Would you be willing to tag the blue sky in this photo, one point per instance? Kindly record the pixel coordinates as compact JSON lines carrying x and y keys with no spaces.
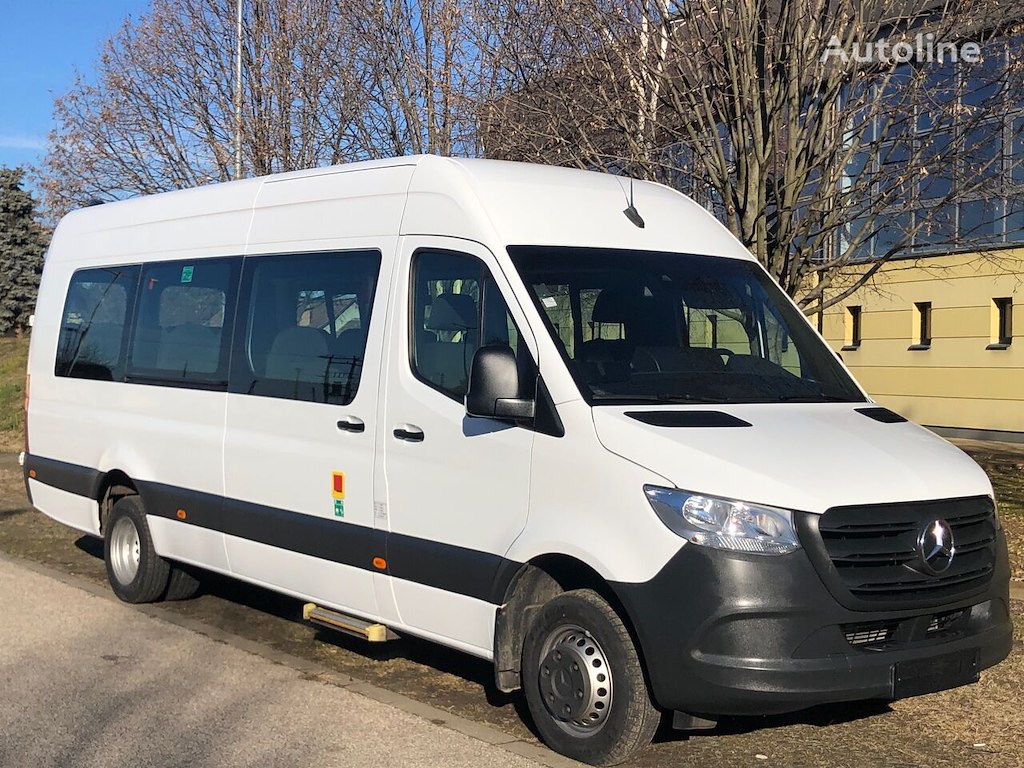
{"x":42,"y":43}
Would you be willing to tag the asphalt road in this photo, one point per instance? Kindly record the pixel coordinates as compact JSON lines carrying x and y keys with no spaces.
{"x":86,"y":681}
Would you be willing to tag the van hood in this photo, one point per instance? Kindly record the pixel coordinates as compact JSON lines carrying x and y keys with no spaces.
{"x":801,"y":456}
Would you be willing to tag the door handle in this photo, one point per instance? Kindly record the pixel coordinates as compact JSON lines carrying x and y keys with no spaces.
{"x":409,"y":432}
{"x":351,"y":424}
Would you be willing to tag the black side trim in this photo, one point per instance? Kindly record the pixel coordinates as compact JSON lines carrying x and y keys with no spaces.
{"x":445,"y":566}
{"x":688,"y":419}
{"x":81,"y":481}
{"x":883,"y":415}
{"x":319,"y":537}
{"x":481,"y":575}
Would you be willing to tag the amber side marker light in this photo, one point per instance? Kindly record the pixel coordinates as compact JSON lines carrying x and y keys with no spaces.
{"x":380,"y":562}
{"x":32,"y":473}
{"x":181,"y":514}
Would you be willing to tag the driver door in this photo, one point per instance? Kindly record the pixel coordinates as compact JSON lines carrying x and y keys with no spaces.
{"x":457,"y":487}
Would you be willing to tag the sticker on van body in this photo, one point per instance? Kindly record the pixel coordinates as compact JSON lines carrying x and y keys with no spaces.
{"x":186,"y":274}
{"x":338,"y":492}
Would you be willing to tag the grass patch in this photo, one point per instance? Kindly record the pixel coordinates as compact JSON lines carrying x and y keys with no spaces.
{"x":13,"y":361}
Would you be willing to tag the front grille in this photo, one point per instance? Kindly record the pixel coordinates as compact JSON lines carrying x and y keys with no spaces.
{"x":871,"y":552}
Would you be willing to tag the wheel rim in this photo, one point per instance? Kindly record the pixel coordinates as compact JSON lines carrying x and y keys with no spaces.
{"x":125,"y":550}
{"x":575,"y":680}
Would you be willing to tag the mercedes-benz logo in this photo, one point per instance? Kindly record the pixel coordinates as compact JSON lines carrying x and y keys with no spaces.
{"x":936,"y":547}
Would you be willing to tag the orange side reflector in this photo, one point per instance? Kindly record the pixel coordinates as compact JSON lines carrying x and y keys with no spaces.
{"x":181,"y":514}
{"x":32,"y":473}
{"x":380,"y":562}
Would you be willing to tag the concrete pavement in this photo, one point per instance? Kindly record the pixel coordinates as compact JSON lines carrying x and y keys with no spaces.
{"x":86,"y":681}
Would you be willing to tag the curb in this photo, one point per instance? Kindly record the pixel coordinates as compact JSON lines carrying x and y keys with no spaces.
{"x":319,"y":673}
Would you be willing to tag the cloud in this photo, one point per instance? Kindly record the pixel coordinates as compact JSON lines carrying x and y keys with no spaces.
{"x":9,"y":141}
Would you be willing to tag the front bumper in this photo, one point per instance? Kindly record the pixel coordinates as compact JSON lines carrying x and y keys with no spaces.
{"x":734,"y":634}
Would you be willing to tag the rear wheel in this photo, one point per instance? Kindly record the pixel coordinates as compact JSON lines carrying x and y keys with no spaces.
{"x":182,"y":584}
{"x":584,"y":682}
{"x":137,"y":574}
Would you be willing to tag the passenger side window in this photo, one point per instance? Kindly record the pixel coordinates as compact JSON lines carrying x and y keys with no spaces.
{"x":184,"y":308}
{"x":779,"y":350}
{"x":91,"y":344}
{"x":457,"y":308}
{"x":305,"y":334}
{"x":719,"y":328}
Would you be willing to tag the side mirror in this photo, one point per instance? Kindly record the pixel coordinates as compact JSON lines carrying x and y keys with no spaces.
{"x":494,"y":386}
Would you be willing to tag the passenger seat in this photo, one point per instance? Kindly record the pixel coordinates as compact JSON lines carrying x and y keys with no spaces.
{"x":299,"y":354}
{"x":189,"y":348}
{"x":447,"y":363}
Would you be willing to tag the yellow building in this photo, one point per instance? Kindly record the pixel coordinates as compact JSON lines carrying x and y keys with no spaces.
{"x":940,"y":340}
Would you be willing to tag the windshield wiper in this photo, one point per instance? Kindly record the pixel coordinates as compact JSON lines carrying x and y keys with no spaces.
{"x":627,"y":399}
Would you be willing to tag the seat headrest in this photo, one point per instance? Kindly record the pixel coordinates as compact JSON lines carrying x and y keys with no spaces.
{"x":615,"y":305}
{"x":452,"y":312}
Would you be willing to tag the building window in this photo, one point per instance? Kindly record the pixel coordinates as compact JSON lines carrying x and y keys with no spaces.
{"x":852,"y":340}
{"x":973,"y":202}
{"x":1002,"y":323}
{"x":922,"y":325}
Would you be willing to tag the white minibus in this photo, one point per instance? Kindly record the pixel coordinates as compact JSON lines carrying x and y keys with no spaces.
{"x":556,"y":419}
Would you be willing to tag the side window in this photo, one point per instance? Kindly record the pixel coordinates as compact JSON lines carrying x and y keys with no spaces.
{"x":184,"y":308}
{"x":779,"y":349}
{"x":305,"y":333}
{"x":719,"y":328}
{"x":557,"y":305}
{"x":92,"y":332}
{"x":457,"y":308}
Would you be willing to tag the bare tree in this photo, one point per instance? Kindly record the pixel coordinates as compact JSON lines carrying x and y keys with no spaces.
{"x":324,"y":82}
{"x":159,"y":115}
{"x":425,"y":71}
{"x":802,"y":124}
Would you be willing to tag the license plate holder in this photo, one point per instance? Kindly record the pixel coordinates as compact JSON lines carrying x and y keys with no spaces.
{"x":936,"y":673}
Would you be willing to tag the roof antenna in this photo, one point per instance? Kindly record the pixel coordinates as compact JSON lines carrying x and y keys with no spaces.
{"x":631,"y":212}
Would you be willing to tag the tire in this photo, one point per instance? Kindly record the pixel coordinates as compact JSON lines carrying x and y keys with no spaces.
{"x":182,"y":584}
{"x":137,"y":574}
{"x":584,"y":681}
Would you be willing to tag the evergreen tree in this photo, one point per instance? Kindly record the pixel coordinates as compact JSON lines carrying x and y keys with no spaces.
{"x":22,"y":245}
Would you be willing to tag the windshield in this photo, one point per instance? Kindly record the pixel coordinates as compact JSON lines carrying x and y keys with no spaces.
{"x":640,"y":326}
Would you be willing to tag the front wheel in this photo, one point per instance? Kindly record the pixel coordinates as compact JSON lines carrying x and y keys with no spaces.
{"x":584,"y":682}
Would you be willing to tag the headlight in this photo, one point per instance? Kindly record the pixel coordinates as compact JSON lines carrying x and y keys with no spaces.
{"x":724,"y":524}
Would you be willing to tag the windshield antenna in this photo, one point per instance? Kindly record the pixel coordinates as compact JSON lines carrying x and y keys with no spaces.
{"x":631,"y":212}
